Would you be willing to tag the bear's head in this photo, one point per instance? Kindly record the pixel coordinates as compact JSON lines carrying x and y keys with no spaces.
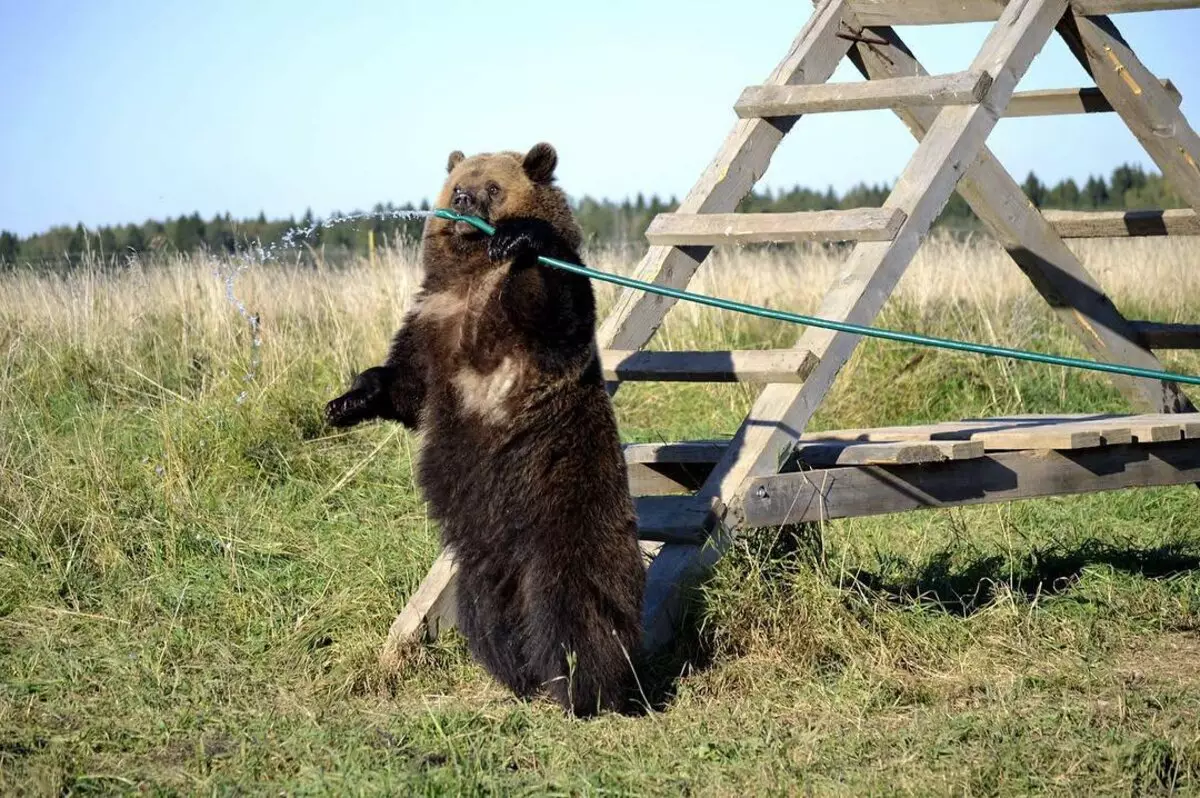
{"x":503,"y":185}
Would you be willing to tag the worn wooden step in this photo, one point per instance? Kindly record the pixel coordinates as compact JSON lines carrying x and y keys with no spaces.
{"x":672,"y":519}
{"x":826,"y":454}
{"x":999,"y":434}
{"x":958,"y":88}
{"x":1062,"y":102}
{"x":1164,"y":335}
{"x":1123,"y":224}
{"x":940,"y":12}
{"x":748,"y":365}
{"x":1003,"y":476}
{"x":714,"y":229}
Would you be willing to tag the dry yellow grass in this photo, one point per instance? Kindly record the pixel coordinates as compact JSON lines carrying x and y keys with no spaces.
{"x":362,"y":304}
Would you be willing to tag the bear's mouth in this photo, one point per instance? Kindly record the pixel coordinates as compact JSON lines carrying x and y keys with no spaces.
{"x":468,"y":230}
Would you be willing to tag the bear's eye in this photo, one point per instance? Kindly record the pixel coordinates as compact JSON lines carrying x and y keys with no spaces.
{"x":493,"y":189}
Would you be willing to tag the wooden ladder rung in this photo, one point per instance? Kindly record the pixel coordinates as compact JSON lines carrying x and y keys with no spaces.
{"x":938,"y":12}
{"x":1062,"y":102}
{"x":680,"y":452}
{"x":755,"y":366}
{"x":1123,"y":224}
{"x":1163,"y":335}
{"x":672,"y":519}
{"x":713,"y":229}
{"x":957,"y":88}
{"x":826,"y":454}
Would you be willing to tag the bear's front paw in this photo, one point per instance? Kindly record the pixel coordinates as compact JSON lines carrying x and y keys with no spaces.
{"x":515,"y":239}
{"x":346,"y":410}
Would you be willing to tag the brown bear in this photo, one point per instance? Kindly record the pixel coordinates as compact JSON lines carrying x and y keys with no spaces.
{"x":496,"y":365}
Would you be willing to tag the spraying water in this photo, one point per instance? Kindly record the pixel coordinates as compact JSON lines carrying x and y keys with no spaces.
{"x":258,"y":254}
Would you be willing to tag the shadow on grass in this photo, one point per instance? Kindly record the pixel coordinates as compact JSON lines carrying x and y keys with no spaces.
{"x":965,"y":590}
{"x":959,"y":590}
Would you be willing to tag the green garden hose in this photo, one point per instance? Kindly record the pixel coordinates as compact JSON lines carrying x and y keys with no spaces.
{"x":840,"y":326}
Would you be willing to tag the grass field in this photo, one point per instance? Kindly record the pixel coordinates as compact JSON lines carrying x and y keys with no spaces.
{"x":193,"y":589}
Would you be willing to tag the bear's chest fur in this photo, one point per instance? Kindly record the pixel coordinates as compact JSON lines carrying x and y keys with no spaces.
{"x":476,"y":361}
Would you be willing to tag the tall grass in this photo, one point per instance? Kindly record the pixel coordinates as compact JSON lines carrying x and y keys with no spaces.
{"x":193,"y":588}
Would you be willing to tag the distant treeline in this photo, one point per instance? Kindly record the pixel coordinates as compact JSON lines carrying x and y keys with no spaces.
{"x":603,"y":221}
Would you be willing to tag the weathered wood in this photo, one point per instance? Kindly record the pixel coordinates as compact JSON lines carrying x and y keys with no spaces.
{"x":666,"y":479}
{"x":869,"y":276}
{"x":1055,"y":271}
{"x":824,"y":454}
{"x":749,"y":365}
{"x":957,"y":88}
{"x":428,"y":612}
{"x":1063,"y":102}
{"x":1163,"y":335}
{"x":1124,"y":224}
{"x":714,"y":229}
{"x":676,"y":452}
{"x":740,"y":162}
{"x":997,"y":435}
{"x":672,"y":519}
{"x":1005,"y":476}
{"x":938,"y":12}
{"x":1148,"y":111}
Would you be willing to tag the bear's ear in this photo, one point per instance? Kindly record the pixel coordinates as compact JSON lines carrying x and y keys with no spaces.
{"x":456,"y":158}
{"x":540,"y":162}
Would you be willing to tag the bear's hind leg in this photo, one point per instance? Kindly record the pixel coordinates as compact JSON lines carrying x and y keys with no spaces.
{"x":487,"y":618}
{"x":579,"y":645}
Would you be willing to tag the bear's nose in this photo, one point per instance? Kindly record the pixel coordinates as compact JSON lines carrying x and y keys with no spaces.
{"x":463,"y":201}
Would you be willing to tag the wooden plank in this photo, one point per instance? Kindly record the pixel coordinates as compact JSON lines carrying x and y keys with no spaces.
{"x":1163,"y":335}
{"x":1055,"y":271}
{"x":428,"y":612}
{"x":824,"y":454}
{"x":998,"y":434}
{"x":957,"y":88}
{"x":939,"y":12}
{"x":1124,"y":224}
{"x":1063,"y":102}
{"x":672,"y":519}
{"x":675,"y":452}
{"x":715,"y":229}
{"x":666,"y":479}
{"x":867,"y":279}
{"x":1006,"y":476}
{"x":1148,"y":111}
{"x":1143,"y":428}
{"x":764,"y":365}
{"x":740,"y":162}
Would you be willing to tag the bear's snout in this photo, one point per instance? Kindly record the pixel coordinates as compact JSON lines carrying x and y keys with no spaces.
{"x":470,"y":203}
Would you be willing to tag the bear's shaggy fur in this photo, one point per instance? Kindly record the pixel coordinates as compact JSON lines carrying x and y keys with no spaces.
{"x":496,"y":364}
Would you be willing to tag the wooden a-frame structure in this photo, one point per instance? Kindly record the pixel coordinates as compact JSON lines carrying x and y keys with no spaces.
{"x":694,"y":496}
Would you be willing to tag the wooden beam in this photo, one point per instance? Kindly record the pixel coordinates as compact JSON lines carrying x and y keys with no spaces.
{"x":938,"y":12}
{"x":958,"y":88}
{"x":1123,"y":224}
{"x":740,"y":162}
{"x":672,"y":519}
{"x":1064,"y":102}
{"x":867,"y":279}
{"x":998,"y":434}
{"x":760,"y":366}
{"x":676,"y":452}
{"x":428,"y":612}
{"x":714,"y":229}
{"x":1055,"y":271}
{"x":1008,"y":476}
{"x":1161,"y":335}
{"x":824,"y":454}
{"x":1148,"y":111}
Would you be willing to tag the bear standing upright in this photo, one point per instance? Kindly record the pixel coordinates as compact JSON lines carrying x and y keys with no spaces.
{"x":496,"y":364}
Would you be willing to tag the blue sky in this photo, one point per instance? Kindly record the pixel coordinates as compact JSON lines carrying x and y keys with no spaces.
{"x":116,"y":111}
